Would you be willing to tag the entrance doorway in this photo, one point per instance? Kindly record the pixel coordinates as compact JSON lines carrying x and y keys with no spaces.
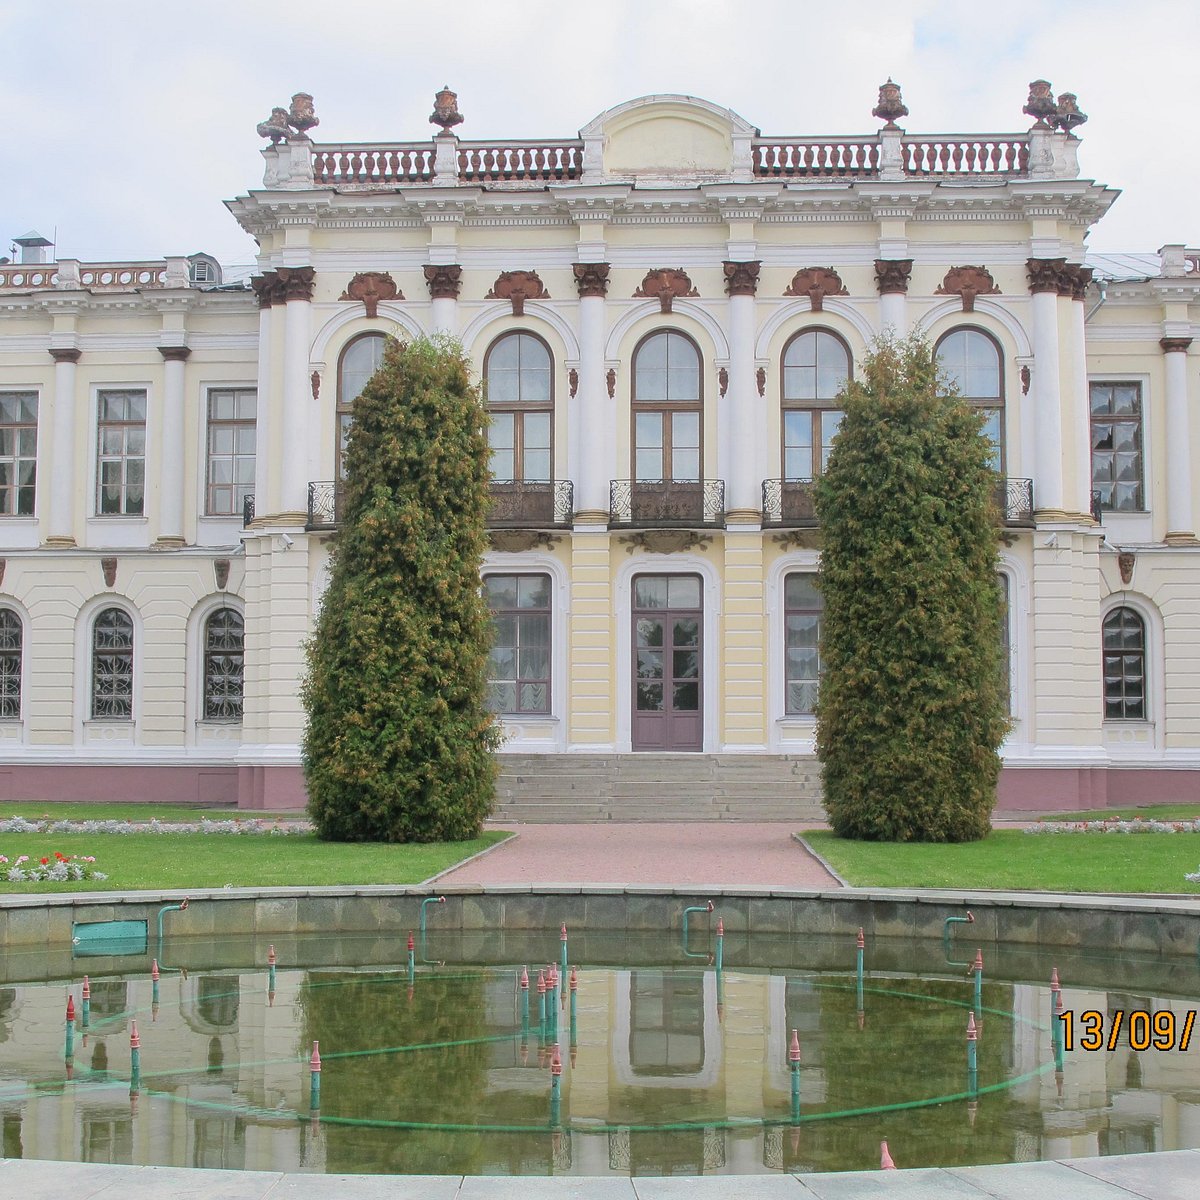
{"x":668,"y":617}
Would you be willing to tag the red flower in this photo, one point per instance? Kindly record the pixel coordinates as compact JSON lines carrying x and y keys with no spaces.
{"x":45,"y":861}
{"x":59,"y":855}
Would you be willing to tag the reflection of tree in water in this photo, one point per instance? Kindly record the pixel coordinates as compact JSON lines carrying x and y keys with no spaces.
{"x":346,"y":1011}
{"x":911,"y":1049}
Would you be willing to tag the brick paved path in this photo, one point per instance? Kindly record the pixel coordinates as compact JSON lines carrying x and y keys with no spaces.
{"x":716,"y":852}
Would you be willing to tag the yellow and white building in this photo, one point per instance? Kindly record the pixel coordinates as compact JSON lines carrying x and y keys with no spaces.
{"x":664,"y":310}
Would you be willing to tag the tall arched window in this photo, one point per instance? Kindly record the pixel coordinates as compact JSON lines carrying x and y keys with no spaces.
{"x":816,"y":367}
{"x":223,"y":665}
{"x":667,"y":409}
{"x":359,"y":361}
{"x":970,"y":359}
{"x":518,"y":372}
{"x":10,"y":665}
{"x":112,"y":666}
{"x":1124,"y":666}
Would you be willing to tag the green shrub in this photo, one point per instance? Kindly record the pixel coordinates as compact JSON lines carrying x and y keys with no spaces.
{"x":911,"y":711}
{"x":399,"y":745}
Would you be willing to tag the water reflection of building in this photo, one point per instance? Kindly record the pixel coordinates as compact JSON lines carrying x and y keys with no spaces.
{"x":224,"y":1075}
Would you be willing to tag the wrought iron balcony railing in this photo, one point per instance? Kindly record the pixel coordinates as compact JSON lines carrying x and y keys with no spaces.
{"x":325,"y":504}
{"x":247,"y":511}
{"x":1014,"y":499}
{"x":788,"y":503}
{"x":667,"y":503}
{"x":523,"y":504}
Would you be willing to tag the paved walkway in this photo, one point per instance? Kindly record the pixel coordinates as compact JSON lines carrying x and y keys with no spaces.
{"x":721,"y":853}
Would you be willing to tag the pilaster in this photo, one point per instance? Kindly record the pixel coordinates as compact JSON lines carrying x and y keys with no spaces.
{"x":1180,"y":514}
{"x":171,"y":462}
{"x":590,"y":668}
{"x":743,"y":689}
{"x":295,"y":290}
{"x":64,"y":478}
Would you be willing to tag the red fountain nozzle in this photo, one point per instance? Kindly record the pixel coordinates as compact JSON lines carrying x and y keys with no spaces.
{"x":860,"y":941}
{"x":135,"y":1042}
{"x":794,"y":1049}
{"x":70,"y":1008}
{"x":314,"y":1062}
{"x":885,"y":1158}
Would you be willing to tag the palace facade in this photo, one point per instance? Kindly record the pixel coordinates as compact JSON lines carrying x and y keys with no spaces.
{"x":664,"y":311}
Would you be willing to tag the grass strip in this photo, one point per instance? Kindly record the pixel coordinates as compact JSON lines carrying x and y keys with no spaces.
{"x":1011,"y":860}
{"x":136,"y":861}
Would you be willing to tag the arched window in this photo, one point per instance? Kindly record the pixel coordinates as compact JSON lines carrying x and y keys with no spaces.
{"x":518,"y":373}
{"x":666,"y":409}
{"x":802,"y":609}
{"x":10,"y":665}
{"x":359,"y":361}
{"x":1124,"y":666}
{"x":112,"y":666}
{"x":970,"y":359}
{"x":816,"y":367}
{"x":223,"y":665}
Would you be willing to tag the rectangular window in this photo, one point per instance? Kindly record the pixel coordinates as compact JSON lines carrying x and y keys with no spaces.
{"x":802,"y":608}
{"x":807,"y":440}
{"x":519,"y":665}
{"x":18,"y":453}
{"x":231,"y":432}
{"x":1117,"y":464}
{"x":121,"y":454}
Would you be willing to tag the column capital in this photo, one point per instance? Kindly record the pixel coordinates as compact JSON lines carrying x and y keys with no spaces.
{"x":892,"y":275}
{"x":294,"y":283}
{"x":1073,"y":281}
{"x":65,"y":354}
{"x":1175,"y":345}
{"x":175,"y":353}
{"x":444,"y":280}
{"x":1045,"y":274}
{"x":741,"y":278}
{"x":591,"y":278}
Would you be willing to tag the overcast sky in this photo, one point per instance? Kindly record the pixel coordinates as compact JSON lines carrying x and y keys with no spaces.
{"x":126,"y":123}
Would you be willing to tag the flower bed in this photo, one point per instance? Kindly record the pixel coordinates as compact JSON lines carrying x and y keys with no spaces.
{"x":254,"y":827}
{"x":1116,"y":825}
{"x":61,"y":868}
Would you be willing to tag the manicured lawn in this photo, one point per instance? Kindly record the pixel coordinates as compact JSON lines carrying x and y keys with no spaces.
{"x":1013,"y":860}
{"x":54,"y":810}
{"x":135,"y":861}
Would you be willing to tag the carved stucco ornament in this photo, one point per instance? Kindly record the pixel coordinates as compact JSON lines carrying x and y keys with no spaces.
{"x":968,"y":282}
{"x":2,"y":566}
{"x":314,"y":381}
{"x":517,"y":287}
{"x":221,"y":572}
{"x":798,"y":539}
{"x":444,"y":281}
{"x":665,"y":541}
{"x":1125,"y":564}
{"x":760,"y":378}
{"x":372,"y":287}
{"x":516,"y":540}
{"x":591,"y":279}
{"x":723,"y":381}
{"x":892,"y":275}
{"x":741,"y":277}
{"x":109,"y":567}
{"x":664,"y":285}
{"x":816,"y":283}
{"x":573,"y":382}
{"x":610,"y":380}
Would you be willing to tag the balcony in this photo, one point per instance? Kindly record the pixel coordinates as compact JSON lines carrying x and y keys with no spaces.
{"x":788,"y":503}
{"x":325,"y":501}
{"x":666,"y":503}
{"x":522,"y":504}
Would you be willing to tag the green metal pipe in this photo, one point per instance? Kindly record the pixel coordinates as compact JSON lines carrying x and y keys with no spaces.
{"x":697,"y":908}
{"x":162,"y":912}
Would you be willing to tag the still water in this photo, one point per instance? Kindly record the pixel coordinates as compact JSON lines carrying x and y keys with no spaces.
{"x":673,"y":1060}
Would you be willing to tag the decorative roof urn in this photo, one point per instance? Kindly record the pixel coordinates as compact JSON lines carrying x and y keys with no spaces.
{"x":445,"y":110}
{"x":301,"y":116}
{"x":1067,"y":115}
{"x":891,"y":104}
{"x":1040,"y":104}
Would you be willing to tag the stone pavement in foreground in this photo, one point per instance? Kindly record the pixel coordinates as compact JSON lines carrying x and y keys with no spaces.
{"x":727,"y":853}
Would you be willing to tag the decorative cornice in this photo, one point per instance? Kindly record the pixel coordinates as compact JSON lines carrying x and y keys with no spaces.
{"x":1170,"y":345}
{"x":175,"y":353}
{"x":816,"y":283}
{"x":66,"y":355}
{"x":1045,"y":274}
{"x":371,"y":287}
{"x":968,"y":282}
{"x":741,"y":278}
{"x":591,"y":279}
{"x":892,"y":275}
{"x":517,"y":287}
{"x":444,"y":280}
{"x":663,"y":285}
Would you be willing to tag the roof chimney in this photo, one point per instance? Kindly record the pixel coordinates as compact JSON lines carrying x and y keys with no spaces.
{"x":33,"y":247}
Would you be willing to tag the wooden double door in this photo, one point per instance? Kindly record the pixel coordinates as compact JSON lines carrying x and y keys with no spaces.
{"x":668,"y":624}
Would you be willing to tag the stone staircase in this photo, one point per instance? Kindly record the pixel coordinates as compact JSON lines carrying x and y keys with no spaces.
{"x":658,"y":787}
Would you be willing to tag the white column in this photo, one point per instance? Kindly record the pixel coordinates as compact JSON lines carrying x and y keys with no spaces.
{"x":892,"y":316}
{"x":63,"y":480}
{"x":1048,"y":473}
{"x":591,"y":467}
{"x":1079,"y":411}
{"x":892,"y":275}
{"x":740,"y":419}
{"x":1180,"y":527}
{"x":297,"y":394}
{"x":170,"y":499}
{"x":263,"y":464}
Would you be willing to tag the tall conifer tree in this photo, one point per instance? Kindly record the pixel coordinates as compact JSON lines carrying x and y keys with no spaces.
{"x":399,"y":745}
{"x":911,"y":711}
